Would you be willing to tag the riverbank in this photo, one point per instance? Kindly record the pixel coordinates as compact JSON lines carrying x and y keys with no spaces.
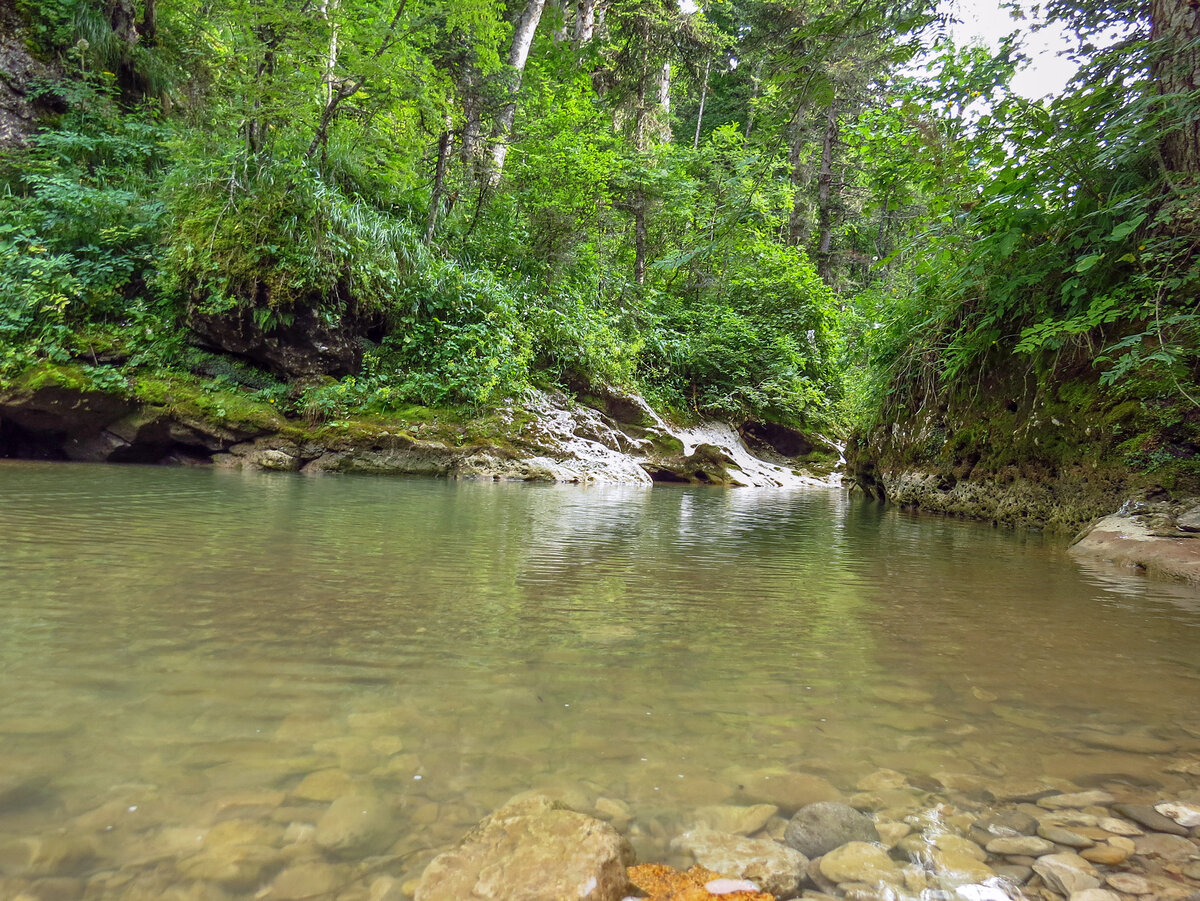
{"x":57,"y":412}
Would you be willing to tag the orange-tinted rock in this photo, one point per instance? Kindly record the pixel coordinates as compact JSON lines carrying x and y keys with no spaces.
{"x":663,"y":883}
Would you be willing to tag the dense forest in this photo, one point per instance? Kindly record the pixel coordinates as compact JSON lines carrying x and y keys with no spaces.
{"x":818,"y":212}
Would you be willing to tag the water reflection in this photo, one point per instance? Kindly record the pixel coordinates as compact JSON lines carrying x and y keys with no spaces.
{"x":193,"y":643}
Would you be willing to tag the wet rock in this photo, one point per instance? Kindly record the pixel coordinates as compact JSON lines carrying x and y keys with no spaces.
{"x":1132,"y":742}
{"x":1076,"y":800}
{"x":1128,"y":541}
{"x":1118,"y":827}
{"x":860,"y":862}
{"x":1147,"y":816}
{"x":788,"y":790}
{"x":1187,"y":815}
{"x":732,"y":819}
{"x":1015,"y":873}
{"x":1129,"y":883}
{"x":1106,"y":854}
{"x":355,"y":825}
{"x":818,"y":828}
{"x":48,"y":855}
{"x":531,"y":851}
{"x":1095,"y":894}
{"x":1066,"y":873}
{"x":1062,"y":836}
{"x":614,"y":810}
{"x":956,"y":844}
{"x":706,"y":465}
{"x":324,"y":785}
{"x":961,"y":866}
{"x":1168,"y":847}
{"x":891,"y":833}
{"x":1027,"y":845}
{"x":1005,"y":824}
{"x":882,"y":780}
{"x":237,"y":867}
{"x":658,"y":882}
{"x":776,"y":869}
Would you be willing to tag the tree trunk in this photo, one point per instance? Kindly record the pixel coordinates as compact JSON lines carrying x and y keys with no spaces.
{"x":122,"y":18}
{"x":439,"y":182}
{"x":796,"y":224}
{"x":1175,"y":32}
{"x":585,"y":22}
{"x":518,"y":55}
{"x":703,"y":97}
{"x":825,"y":211}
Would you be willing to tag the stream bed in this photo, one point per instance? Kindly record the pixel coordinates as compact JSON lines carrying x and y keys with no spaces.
{"x":196,"y":662}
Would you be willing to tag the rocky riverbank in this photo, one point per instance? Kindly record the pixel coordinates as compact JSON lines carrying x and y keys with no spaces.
{"x":608,"y":437}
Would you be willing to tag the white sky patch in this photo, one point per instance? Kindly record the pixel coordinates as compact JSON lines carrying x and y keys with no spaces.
{"x":983,"y":21}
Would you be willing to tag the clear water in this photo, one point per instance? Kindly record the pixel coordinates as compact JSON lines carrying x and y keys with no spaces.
{"x":180,"y":648}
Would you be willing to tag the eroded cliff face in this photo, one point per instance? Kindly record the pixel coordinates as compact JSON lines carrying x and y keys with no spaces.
{"x":1054,"y":458}
{"x":20,"y":72}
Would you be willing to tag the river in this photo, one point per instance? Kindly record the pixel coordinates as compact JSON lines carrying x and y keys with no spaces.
{"x":182,"y":648}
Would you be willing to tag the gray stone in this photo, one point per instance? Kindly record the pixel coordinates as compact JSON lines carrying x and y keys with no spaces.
{"x":1129,"y":883}
{"x":1067,"y":873}
{"x":1147,"y":816}
{"x":355,"y":826}
{"x":774,"y":868}
{"x":533,"y":850}
{"x":1017,"y":873}
{"x":1189,"y":521}
{"x":817,"y":829}
{"x":1184,"y":814}
{"x":1007,"y":824}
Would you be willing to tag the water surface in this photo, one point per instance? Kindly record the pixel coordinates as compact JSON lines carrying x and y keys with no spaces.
{"x":181,"y":648}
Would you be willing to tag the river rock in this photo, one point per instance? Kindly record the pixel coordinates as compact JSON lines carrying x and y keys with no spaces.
{"x":48,"y":855}
{"x":817,"y":829}
{"x":533,"y":850}
{"x":776,"y":869}
{"x":1147,"y":816}
{"x":1066,"y":873}
{"x":1133,"y":742}
{"x":1095,"y":894}
{"x":1062,"y":836}
{"x":1184,"y":814}
{"x":956,"y":844}
{"x":324,"y":785}
{"x":960,"y":865}
{"x":789,"y":791}
{"x":1118,"y":827}
{"x":1168,"y":847}
{"x":860,"y":862}
{"x":1005,"y":824}
{"x":1106,"y":854}
{"x":237,"y":867}
{"x":313,"y":879}
{"x":1026,"y":845}
{"x":731,"y":819}
{"x":1076,"y":800}
{"x":1129,"y":883}
{"x":882,"y":780}
{"x":355,"y":826}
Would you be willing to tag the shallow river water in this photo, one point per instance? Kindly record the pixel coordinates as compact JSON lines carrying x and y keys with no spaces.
{"x":197,"y":660}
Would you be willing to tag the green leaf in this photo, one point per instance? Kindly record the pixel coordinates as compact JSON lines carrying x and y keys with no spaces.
{"x":1088,"y":262}
{"x":1126,"y":228}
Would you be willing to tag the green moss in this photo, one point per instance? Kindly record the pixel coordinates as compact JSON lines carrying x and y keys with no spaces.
{"x":187,"y":396}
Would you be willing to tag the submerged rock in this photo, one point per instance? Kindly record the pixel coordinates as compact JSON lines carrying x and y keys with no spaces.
{"x":819,"y":828}
{"x":533,"y":850}
{"x":774,"y":868}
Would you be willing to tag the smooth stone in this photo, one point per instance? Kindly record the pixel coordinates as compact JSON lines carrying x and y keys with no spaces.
{"x":241,"y":832}
{"x":238,"y":867}
{"x":1007,"y":824}
{"x":1118,"y":827}
{"x":533,"y":850}
{"x":48,"y":855}
{"x":817,"y":829}
{"x":1095,"y":894}
{"x":1062,"y":836}
{"x":881,"y":780}
{"x":956,"y":844}
{"x":961,"y":866}
{"x":387,"y":888}
{"x":1184,"y":814}
{"x":776,"y":869}
{"x":860,"y":862}
{"x":905,"y":799}
{"x":1076,"y":800}
{"x":1168,"y":847}
{"x":1145,"y":815}
{"x":890,"y":833}
{"x":1100,"y":767}
{"x":731,"y":819}
{"x":1129,"y":883}
{"x":1026,"y":845}
{"x":324,"y":785}
{"x":614,"y":810}
{"x":1066,"y":873}
{"x":1105,"y":854}
{"x":355,"y":826}
{"x":789,"y":791}
{"x":1017,"y":873}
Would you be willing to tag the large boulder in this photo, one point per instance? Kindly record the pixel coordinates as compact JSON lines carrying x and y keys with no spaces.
{"x":819,"y":828}
{"x":531,"y":850}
